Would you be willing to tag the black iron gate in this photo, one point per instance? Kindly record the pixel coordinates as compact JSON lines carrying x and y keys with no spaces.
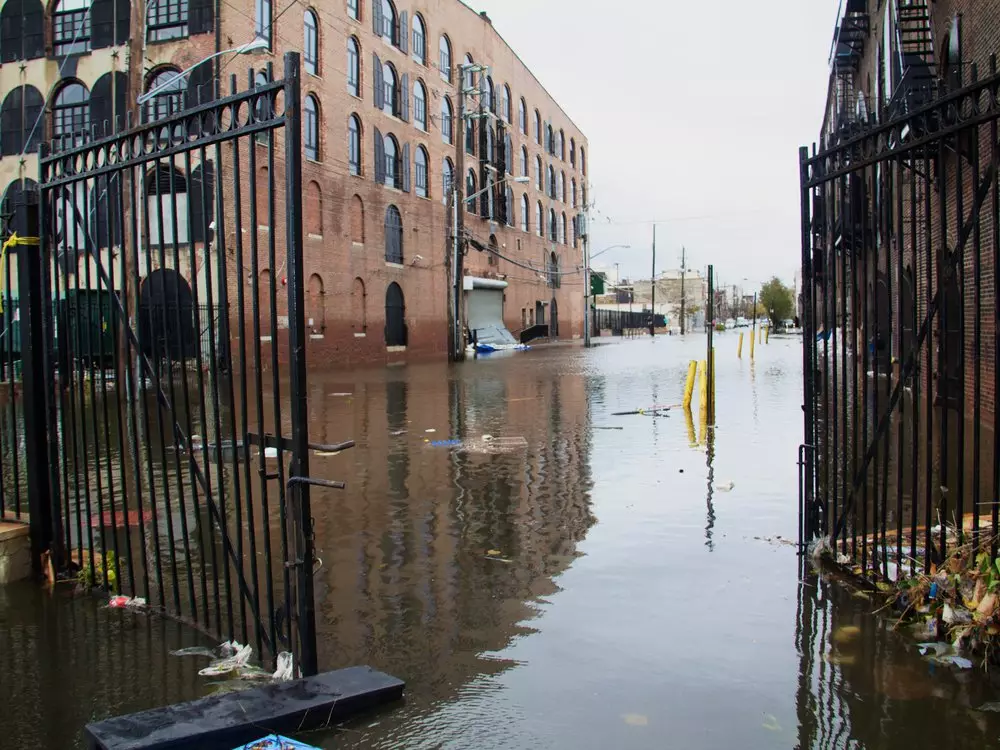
{"x":177,"y":456}
{"x":900,"y":250}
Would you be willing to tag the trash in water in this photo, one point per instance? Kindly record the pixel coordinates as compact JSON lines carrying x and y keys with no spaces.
{"x":270,"y":453}
{"x":602,"y":427}
{"x":725,"y":486}
{"x":430,"y":430}
{"x":341,"y":395}
{"x":954,"y":616}
{"x":771,"y":723}
{"x":952,"y":660}
{"x":327,"y":454}
{"x":488,"y":444}
{"x":934,"y":591}
{"x":126,"y":602}
{"x":194,"y":651}
{"x":397,"y":433}
{"x":846,"y":634}
{"x":285,"y":666}
{"x":275,"y":742}
{"x":496,"y":555}
{"x":235,"y":656}
{"x":636,"y":720}
{"x":934,"y":648}
{"x":445,"y":443}
{"x":993,"y":706}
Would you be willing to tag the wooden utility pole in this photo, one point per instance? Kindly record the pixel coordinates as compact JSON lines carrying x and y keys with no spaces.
{"x":652,"y":321}
{"x":683,"y":311}
{"x":457,"y":253}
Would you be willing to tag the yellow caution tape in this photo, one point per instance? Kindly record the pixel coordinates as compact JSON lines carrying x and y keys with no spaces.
{"x":12,"y":241}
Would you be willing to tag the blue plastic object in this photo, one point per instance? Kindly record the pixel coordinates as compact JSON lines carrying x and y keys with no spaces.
{"x":276,"y":742}
{"x":934,"y":590}
{"x":445,"y":443}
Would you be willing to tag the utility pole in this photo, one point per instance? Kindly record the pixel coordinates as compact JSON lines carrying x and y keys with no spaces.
{"x":456,"y":337}
{"x":586,"y":281}
{"x":683,"y":269}
{"x":652,"y":320}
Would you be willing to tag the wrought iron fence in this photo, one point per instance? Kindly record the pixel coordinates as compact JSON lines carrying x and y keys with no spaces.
{"x":900,"y":248}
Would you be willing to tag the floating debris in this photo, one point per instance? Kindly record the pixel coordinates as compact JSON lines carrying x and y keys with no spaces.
{"x":430,"y":430}
{"x":126,"y":602}
{"x":446,"y":443}
{"x":636,"y":720}
{"x":725,"y":486}
{"x":195,"y":651}
{"x":276,"y":742}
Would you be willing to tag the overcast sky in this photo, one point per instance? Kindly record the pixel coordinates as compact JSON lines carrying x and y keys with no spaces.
{"x":694,"y":110}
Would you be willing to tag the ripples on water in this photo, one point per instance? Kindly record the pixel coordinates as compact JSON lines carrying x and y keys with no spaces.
{"x":596,"y":589}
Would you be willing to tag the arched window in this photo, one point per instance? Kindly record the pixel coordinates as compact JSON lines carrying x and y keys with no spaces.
{"x":538,"y":128}
{"x":554,"y":278}
{"x":419,"y":105}
{"x":166,"y":198}
{"x":314,"y":209}
{"x":22,"y":30}
{"x":419,"y":39}
{"x":12,"y":196}
{"x":489,"y":196}
{"x":354,"y":144}
{"x":524,"y":161}
{"x":561,"y":145}
{"x":510,"y":207}
{"x":550,"y":140}
{"x":522,"y":116}
{"x":315,"y":305}
{"x":444,"y":58}
{"x":390,"y":97}
{"x":310,"y":51}
{"x":490,"y":143}
{"x":583,"y":161}
{"x":393,"y":235}
{"x":492,"y":255}
{"x":470,"y":77}
{"x":538,"y":173}
{"x":508,"y":153}
{"x":470,"y":191}
{"x":71,"y":115}
{"x":390,"y":148}
{"x":262,"y":109}
{"x":20,"y":110}
{"x":505,"y":103}
{"x":539,"y":221}
{"x":562,"y":230}
{"x":359,"y":306}
{"x":574,"y":226}
{"x":421,"y":178}
{"x":524,"y":212}
{"x":170,"y":99}
{"x":572,"y":152}
{"x":562,"y":186}
{"x":395,"y":316}
{"x":357,"y":220}
{"x":550,"y":182}
{"x":446,"y":120}
{"x":447,"y":180}
{"x":263,"y":19}
{"x":491,"y":95}
{"x":470,"y":137}
{"x":553,"y":226}
{"x":353,"y":67}
{"x":310,"y":128}
{"x":70,"y":27}
{"x":390,"y":28}
{"x":354,"y":9}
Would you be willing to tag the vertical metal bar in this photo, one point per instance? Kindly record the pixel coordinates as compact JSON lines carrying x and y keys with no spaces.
{"x":241,"y":327}
{"x":900,"y":244}
{"x":994,"y":221}
{"x":832,"y":363}
{"x":886,"y":210}
{"x":8,"y":334}
{"x":213,"y":364}
{"x":30,"y":286}
{"x":826,"y":458}
{"x":151,"y":373}
{"x":977,"y":248}
{"x":944,"y":373}
{"x":916,"y":382}
{"x":929,"y":265}
{"x":136,"y":391}
{"x":162,"y":353}
{"x":958,"y":264}
{"x":258,"y":387}
{"x":227,"y":357}
{"x":862,"y":212}
{"x":809,"y":330}
{"x":301,"y":508}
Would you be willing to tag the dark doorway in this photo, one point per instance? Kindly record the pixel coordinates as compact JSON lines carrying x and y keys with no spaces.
{"x":539,"y":314}
{"x":166,"y":316}
{"x":395,"y":316}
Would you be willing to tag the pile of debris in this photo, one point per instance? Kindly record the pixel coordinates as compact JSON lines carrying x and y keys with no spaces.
{"x":952,"y":610}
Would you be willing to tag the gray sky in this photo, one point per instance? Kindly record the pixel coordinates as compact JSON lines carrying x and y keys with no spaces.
{"x":695,"y":111}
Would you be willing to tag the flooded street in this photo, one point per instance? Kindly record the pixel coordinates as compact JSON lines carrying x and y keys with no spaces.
{"x":576,"y":579}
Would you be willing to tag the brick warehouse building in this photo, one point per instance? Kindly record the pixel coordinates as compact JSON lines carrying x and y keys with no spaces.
{"x":888,"y":229}
{"x":380,"y":97}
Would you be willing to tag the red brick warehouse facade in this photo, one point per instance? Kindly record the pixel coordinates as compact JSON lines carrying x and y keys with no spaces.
{"x":380,"y":89}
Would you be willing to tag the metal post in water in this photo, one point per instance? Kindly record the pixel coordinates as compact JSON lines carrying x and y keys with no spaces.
{"x":711,"y":344}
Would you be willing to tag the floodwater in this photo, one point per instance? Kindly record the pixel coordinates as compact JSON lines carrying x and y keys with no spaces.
{"x":608,"y":581}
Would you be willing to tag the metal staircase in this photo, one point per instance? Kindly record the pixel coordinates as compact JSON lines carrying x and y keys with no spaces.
{"x":918,"y":84}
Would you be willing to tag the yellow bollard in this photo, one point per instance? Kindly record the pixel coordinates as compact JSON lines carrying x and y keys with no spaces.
{"x":760,"y":335}
{"x":689,"y":419}
{"x":702,"y":425}
{"x":703,"y":382}
{"x":767,"y":336}
{"x":689,"y":385}
{"x":752,"y":340}
{"x":739,"y":347}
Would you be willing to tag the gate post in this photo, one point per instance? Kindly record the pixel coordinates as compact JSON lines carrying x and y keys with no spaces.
{"x":301,"y":511}
{"x":34,"y":379}
{"x":808,"y":342}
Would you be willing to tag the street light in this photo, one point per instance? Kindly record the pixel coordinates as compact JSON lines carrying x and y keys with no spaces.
{"x":255,"y":45}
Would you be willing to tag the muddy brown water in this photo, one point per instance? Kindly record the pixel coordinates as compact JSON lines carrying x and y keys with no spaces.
{"x":600,"y":587}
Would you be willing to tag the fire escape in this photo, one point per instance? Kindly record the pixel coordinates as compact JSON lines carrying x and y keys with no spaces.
{"x":848,"y":50}
{"x":917,"y":84}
